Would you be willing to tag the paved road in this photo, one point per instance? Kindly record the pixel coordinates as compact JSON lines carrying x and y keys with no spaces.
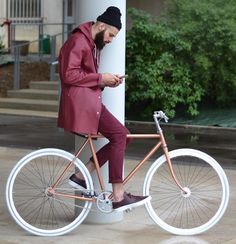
{"x":20,"y":135}
{"x":30,"y":132}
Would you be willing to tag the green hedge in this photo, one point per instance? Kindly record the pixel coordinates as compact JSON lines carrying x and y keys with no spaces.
{"x":1,"y":43}
{"x":184,"y":59}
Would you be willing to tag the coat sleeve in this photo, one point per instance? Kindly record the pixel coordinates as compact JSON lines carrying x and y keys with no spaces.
{"x":73,"y":72}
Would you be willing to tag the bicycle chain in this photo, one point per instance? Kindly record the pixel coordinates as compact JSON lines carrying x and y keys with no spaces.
{"x":75,"y":205}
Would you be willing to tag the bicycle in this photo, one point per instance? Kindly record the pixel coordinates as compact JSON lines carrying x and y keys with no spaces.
{"x":189,"y":189}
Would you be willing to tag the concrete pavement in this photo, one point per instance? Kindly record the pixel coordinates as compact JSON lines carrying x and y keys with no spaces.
{"x":19,"y":136}
{"x":136,"y":226}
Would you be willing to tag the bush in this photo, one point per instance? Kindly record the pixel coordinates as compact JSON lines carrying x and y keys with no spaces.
{"x":1,"y":44}
{"x":210,"y":27}
{"x":182,"y":59}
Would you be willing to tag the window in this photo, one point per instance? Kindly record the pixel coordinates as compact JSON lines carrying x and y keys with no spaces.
{"x":24,"y":10}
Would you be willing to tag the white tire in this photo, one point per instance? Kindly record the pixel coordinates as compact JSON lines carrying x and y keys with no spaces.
{"x":207,"y":198}
{"x":27,"y":198}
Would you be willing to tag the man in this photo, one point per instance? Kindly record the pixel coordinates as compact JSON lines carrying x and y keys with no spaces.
{"x":81,"y":109}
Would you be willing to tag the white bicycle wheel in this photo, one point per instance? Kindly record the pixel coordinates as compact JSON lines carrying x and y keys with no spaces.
{"x":204,"y":204}
{"x":29,"y":202}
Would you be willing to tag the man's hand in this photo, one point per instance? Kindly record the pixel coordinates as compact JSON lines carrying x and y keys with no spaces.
{"x":110,"y":80}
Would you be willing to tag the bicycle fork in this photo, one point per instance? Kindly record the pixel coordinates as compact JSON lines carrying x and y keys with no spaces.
{"x":166,"y":152}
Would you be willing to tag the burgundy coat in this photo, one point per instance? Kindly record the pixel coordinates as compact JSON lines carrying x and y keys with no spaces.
{"x":80,"y":102}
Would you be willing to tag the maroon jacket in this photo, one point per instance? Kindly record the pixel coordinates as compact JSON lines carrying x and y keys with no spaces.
{"x":80,"y":102}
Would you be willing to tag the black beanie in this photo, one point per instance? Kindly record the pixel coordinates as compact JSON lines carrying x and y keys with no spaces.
{"x":111,"y":17}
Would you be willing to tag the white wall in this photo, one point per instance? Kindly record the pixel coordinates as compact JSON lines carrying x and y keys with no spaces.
{"x":53,"y":14}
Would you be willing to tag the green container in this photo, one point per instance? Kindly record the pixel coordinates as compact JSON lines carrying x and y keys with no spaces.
{"x":44,"y":44}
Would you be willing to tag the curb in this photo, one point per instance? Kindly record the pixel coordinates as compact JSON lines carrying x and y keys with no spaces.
{"x":149,"y":127}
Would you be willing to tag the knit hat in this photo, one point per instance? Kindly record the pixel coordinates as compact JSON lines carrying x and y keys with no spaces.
{"x":111,"y":17}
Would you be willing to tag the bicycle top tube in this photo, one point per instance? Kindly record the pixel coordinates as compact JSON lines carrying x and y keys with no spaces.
{"x":97,"y":136}
{"x":157,"y":116}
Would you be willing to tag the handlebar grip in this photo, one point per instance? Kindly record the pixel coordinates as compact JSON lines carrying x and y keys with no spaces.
{"x":161,"y":115}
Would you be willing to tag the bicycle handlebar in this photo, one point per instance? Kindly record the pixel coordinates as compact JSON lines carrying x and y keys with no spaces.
{"x":160,"y":115}
{"x":157,"y":116}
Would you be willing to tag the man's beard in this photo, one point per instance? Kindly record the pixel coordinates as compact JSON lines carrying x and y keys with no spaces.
{"x":99,"y":40}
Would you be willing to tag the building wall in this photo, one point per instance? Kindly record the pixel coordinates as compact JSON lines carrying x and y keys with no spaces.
{"x":53,"y":13}
{"x":52,"y":20}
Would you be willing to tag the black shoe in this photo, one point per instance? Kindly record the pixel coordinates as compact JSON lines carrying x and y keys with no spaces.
{"x":77,"y":183}
{"x":129,"y":202}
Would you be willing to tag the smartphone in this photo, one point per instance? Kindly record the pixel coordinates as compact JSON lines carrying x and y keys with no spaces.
{"x":123,"y":76}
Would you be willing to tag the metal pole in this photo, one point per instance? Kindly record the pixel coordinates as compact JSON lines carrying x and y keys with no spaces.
{"x":16,"y":83}
{"x":53,"y":58}
{"x":40,"y":46}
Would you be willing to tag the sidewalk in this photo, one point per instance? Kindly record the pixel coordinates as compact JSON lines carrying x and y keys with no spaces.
{"x":19,"y":136}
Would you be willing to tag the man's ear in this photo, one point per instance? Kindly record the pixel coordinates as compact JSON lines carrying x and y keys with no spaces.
{"x":101,"y":26}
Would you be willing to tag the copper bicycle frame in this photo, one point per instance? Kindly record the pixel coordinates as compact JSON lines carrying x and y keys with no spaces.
{"x":89,"y":140}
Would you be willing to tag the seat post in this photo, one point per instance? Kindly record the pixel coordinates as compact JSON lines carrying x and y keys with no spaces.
{"x":97,"y":167}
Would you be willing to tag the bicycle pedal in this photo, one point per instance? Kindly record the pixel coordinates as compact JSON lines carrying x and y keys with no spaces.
{"x":88,"y":194}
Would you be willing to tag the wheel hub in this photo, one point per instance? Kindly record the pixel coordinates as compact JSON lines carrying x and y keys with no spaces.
{"x":186,"y":193}
{"x":49,"y":192}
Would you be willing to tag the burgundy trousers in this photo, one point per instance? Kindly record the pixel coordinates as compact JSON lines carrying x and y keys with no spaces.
{"x":114,"y":150}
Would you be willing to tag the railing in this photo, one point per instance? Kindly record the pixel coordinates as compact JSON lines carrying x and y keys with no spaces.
{"x":19,"y":53}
